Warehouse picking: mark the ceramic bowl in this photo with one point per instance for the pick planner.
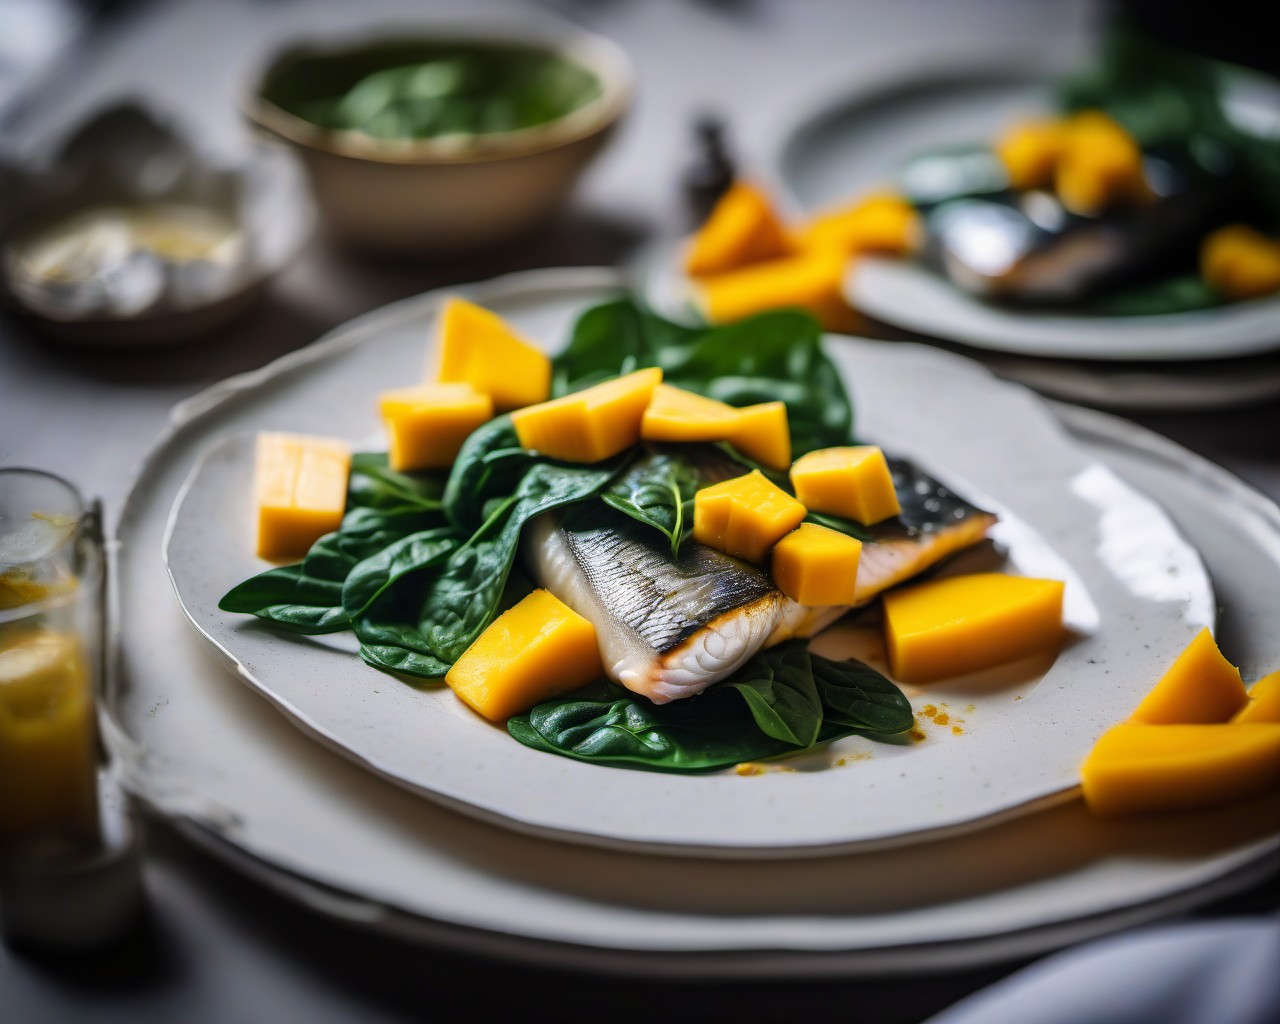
(433, 196)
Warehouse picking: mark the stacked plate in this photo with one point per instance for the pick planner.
(397, 807)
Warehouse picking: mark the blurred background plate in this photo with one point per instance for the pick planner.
(204, 751)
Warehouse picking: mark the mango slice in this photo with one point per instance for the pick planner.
(1100, 165)
(678, 415)
(427, 424)
(536, 649)
(742, 229)
(1264, 701)
(852, 482)
(1030, 152)
(763, 433)
(592, 424)
(300, 489)
(811, 280)
(953, 626)
(1201, 686)
(1136, 768)
(479, 348)
(814, 565)
(1240, 262)
(882, 222)
(745, 516)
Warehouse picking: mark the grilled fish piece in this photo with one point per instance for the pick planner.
(669, 626)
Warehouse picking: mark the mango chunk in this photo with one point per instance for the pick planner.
(678, 415)
(763, 433)
(534, 650)
(1030, 152)
(300, 488)
(811, 280)
(1100, 165)
(1136, 768)
(1201, 686)
(592, 424)
(479, 348)
(742, 229)
(1240, 262)
(883, 223)
(1264, 701)
(745, 516)
(953, 626)
(814, 565)
(426, 424)
(852, 482)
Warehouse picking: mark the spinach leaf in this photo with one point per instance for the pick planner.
(1178, 294)
(849, 527)
(657, 490)
(784, 700)
(771, 356)
(372, 484)
(369, 579)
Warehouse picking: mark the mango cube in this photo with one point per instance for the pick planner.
(964, 624)
(300, 488)
(1264, 701)
(742, 229)
(1201, 686)
(479, 348)
(883, 223)
(811, 280)
(1100, 165)
(1137, 768)
(427, 424)
(745, 516)
(852, 482)
(763, 433)
(678, 415)
(1241, 263)
(534, 650)
(1030, 152)
(592, 424)
(814, 565)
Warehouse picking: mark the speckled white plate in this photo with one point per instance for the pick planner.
(238, 778)
(1136, 592)
(857, 133)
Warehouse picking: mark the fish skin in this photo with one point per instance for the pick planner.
(670, 627)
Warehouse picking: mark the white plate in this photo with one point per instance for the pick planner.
(857, 134)
(1136, 593)
(238, 778)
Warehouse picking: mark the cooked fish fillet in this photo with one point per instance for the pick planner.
(670, 627)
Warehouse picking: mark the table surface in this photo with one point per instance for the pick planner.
(216, 946)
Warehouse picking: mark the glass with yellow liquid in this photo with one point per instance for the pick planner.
(51, 568)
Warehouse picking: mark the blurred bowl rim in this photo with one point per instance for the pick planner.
(597, 53)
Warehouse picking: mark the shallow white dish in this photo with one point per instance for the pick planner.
(1136, 593)
(236, 777)
(856, 134)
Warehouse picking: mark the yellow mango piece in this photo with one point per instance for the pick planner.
(742, 229)
(1030, 152)
(678, 415)
(592, 424)
(884, 223)
(534, 650)
(1201, 686)
(963, 624)
(817, 566)
(426, 424)
(763, 433)
(1264, 701)
(852, 482)
(479, 348)
(1240, 262)
(745, 516)
(810, 280)
(1136, 768)
(300, 489)
(1100, 165)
